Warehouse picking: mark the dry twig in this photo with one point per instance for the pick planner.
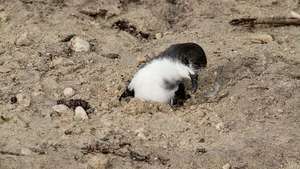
(273, 21)
(10, 153)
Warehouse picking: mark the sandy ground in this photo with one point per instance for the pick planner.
(246, 114)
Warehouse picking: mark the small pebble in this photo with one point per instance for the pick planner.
(158, 36)
(23, 100)
(280, 111)
(60, 108)
(80, 114)
(69, 92)
(226, 166)
(23, 40)
(98, 162)
(295, 14)
(3, 17)
(26, 151)
(80, 45)
(220, 126)
(140, 133)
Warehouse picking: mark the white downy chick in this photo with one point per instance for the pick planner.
(160, 79)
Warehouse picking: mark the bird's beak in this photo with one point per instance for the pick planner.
(194, 79)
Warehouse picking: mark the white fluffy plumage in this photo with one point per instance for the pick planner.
(149, 82)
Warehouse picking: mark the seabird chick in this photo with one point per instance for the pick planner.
(161, 79)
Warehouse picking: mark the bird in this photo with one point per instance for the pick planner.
(161, 79)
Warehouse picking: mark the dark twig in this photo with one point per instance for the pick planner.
(274, 21)
(115, 149)
(94, 12)
(138, 157)
(126, 26)
(10, 153)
